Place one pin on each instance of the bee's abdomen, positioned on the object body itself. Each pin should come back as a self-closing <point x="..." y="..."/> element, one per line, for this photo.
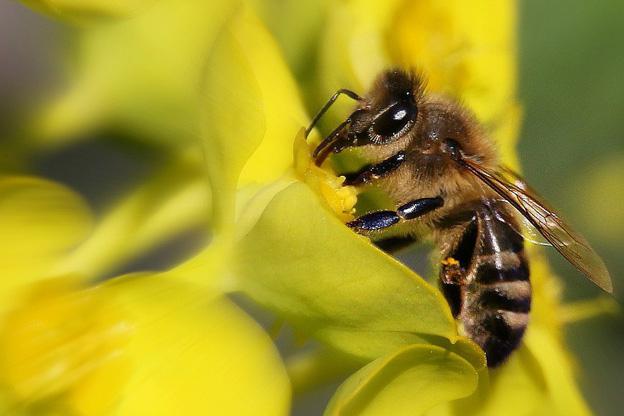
<point x="498" y="292"/>
<point x="496" y="313"/>
<point x="487" y="282"/>
<point x="515" y="269"/>
<point x="502" y="332"/>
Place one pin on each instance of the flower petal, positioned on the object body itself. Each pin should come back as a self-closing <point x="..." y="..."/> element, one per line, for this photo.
<point x="563" y="394"/>
<point x="137" y="344"/>
<point x="302" y="262"/>
<point x="62" y="339"/>
<point x="252" y="111"/>
<point x="407" y="382"/>
<point x="195" y="354"/>
<point x="141" y="74"/>
<point x="40" y="221"/>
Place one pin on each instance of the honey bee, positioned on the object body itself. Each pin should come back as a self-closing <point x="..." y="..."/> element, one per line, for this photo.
<point x="438" y="166"/>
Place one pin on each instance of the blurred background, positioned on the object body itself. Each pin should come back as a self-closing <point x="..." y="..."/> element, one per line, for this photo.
<point x="572" y="150"/>
<point x="571" y="147"/>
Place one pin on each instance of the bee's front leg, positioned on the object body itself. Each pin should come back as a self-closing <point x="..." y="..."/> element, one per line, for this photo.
<point x="379" y="220"/>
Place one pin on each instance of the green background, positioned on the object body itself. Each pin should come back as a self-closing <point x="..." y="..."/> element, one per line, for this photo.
<point x="572" y="150"/>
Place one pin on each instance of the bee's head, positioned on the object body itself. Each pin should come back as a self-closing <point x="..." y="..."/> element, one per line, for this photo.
<point x="396" y="115"/>
<point x="387" y="113"/>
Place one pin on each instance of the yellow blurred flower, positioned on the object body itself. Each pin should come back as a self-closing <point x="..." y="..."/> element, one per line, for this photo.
<point x="60" y="342"/>
<point x="139" y="74"/>
<point x="139" y="344"/>
<point x="177" y="344"/>
<point x="84" y="11"/>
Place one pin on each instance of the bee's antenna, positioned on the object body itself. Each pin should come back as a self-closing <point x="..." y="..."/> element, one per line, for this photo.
<point x="328" y="104"/>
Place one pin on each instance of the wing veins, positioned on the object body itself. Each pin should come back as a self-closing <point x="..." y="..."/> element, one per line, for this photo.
<point x="569" y="244"/>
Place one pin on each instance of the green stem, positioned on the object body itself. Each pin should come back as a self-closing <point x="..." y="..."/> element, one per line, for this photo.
<point x="175" y="199"/>
<point x="311" y="369"/>
<point x="587" y="309"/>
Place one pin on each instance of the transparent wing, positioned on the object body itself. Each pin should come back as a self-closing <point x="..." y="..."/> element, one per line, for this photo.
<point x="521" y="225"/>
<point x="513" y="189"/>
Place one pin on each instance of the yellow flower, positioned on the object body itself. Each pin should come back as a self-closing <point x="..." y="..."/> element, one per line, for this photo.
<point x="139" y="344"/>
<point x="287" y="250"/>
<point x="277" y="228"/>
<point x="319" y="276"/>
<point x="139" y="74"/>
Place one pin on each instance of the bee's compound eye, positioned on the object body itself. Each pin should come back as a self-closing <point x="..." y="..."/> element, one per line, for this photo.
<point x="394" y="118"/>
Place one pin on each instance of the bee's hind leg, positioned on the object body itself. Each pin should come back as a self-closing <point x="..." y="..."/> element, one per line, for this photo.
<point x="380" y="220"/>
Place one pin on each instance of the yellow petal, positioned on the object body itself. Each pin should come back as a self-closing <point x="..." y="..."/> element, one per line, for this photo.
<point x="137" y="345"/>
<point x="194" y="354"/>
<point x="283" y="109"/>
<point x="302" y="262"/>
<point x="40" y="221"/>
<point x="141" y="74"/>
<point x="63" y="347"/>
<point x="252" y="111"/>
<point x="407" y="382"/>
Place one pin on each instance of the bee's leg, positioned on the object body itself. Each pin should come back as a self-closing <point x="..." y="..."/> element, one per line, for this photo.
<point x="380" y="220"/>
<point x="418" y="207"/>
<point x="452" y="283"/>
<point x="371" y="172"/>
<point x="374" y="221"/>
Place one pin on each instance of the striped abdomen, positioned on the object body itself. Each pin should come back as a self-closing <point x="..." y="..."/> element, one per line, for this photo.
<point x="485" y="278"/>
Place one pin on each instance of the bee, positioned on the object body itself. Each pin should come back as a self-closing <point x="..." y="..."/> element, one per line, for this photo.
<point x="434" y="160"/>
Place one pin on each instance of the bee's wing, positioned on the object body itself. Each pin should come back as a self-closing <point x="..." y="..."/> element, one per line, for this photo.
<point x="521" y="225"/>
<point x="512" y="188"/>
